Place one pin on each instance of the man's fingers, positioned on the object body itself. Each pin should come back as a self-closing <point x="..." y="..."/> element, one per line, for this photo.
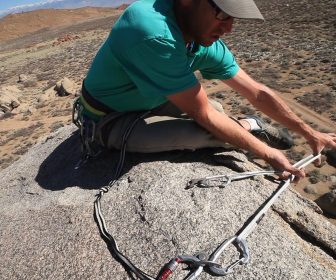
<point x="298" y="174"/>
<point x="332" y="142"/>
<point x="318" y="162"/>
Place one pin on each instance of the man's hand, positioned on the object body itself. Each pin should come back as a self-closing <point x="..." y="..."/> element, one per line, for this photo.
<point x="318" y="141"/>
<point x="279" y="162"/>
<point x="267" y="101"/>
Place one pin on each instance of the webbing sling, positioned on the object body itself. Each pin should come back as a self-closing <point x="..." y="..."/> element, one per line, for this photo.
<point x="98" y="214"/>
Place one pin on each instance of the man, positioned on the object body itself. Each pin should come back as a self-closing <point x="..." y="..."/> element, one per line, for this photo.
<point x="148" y="63"/>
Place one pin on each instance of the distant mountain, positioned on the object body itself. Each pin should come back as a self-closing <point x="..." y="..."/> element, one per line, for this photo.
<point x="64" y="4"/>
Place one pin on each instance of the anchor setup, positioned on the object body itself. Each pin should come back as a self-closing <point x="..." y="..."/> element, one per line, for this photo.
<point x="239" y="240"/>
<point x="197" y="264"/>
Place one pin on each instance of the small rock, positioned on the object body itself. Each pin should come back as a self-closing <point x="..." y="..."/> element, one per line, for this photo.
<point x="327" y="202"/>
<point x="8" y="102"/>
<point x="333" y="179"/>
<point x="65" y="87"/>
<point x="310" y="189"/>
<point x="58" y="85"/>
<point x="22" y="78"/>
<point x="24" y="108"/>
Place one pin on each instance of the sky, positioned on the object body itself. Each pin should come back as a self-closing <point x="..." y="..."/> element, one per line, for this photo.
<point x="5" y="4"/>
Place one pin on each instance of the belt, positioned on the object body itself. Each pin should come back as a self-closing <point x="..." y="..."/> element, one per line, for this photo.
<point x="93" y="105"/>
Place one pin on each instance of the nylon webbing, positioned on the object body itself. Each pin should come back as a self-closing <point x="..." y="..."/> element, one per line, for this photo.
<point x="100" y="218"/>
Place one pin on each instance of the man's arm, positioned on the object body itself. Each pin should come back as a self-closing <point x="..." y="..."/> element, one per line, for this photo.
<point x="194" y="102"/>
<point x="267" y="101"/>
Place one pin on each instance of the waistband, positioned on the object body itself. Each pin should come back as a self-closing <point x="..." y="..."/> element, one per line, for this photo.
<point x="93" y="105"/>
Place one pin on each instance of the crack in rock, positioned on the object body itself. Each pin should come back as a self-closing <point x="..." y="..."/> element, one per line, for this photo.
<point x="306" y="234"/>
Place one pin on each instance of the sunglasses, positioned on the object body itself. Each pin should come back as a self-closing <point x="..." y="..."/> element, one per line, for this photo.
<point x="220" y="15"/>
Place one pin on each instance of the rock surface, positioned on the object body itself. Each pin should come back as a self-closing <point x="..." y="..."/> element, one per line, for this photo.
<point x="48" y="232"/>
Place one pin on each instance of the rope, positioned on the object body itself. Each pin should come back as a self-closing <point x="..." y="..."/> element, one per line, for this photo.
<point x="100" y="218"/>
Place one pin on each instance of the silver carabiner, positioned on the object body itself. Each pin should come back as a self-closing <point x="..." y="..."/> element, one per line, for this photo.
<point x="76" y="113"/>
<point x="242" y="248"/>
<point x="204" y="182"/>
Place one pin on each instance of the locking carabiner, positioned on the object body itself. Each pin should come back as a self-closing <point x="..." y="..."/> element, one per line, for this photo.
<point x="192" y="261"/>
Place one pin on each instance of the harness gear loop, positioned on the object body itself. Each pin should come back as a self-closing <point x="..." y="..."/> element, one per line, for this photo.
<point x="76" y="108"/>
<point x="87" y="130"/>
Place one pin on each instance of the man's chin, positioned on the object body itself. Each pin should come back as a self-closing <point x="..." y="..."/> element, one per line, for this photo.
<point x="206" y="43"/>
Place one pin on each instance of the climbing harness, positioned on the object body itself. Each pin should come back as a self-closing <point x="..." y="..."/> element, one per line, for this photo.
<point x="87" y="130"/>
<point x="196" y="264"/>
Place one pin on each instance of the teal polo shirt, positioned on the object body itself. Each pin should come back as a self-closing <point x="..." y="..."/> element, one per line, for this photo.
<point x="145" y="59"/>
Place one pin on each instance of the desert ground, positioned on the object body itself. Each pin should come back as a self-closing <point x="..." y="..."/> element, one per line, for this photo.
<point x="293" y="52"/>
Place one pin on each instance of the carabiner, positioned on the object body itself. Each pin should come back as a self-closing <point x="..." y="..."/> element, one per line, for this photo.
<point x="204" y="182"/>
<point x="227" y="179"/>
<point x="241" y="245"/>
<point x="192" y="261"/>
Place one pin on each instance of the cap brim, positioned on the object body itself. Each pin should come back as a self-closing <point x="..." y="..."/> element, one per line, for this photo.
<point x="240" y="8"/>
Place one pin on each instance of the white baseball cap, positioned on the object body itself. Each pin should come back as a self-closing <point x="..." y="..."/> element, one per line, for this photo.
<point x="240" y="8"/>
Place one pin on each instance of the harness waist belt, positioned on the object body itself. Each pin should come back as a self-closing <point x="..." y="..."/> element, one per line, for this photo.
<point x="94" y="103"/>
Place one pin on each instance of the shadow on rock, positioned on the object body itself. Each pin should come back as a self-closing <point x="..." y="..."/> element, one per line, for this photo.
<point x="58" y="172"/>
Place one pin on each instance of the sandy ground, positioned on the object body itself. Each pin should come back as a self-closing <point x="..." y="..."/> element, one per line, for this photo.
<point x="293" y="53"/>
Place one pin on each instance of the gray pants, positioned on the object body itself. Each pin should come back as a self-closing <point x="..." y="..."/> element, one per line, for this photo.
<point x="166" y="128"/>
